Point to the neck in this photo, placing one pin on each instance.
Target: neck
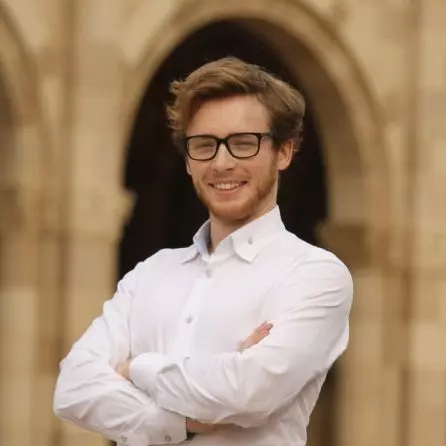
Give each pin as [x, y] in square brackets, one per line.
[220, 228]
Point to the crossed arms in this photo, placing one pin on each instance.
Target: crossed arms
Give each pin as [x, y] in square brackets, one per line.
[309, 312]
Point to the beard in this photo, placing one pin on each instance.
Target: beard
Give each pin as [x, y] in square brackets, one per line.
[248, 209]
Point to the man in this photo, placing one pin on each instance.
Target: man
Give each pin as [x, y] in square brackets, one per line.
[164, 361]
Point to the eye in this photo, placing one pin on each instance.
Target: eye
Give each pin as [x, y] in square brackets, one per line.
[243, 141]
[201, 143]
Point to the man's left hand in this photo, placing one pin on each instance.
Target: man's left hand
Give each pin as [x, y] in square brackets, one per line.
[123, 369]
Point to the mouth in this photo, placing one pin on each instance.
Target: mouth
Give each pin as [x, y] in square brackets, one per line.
[228, 186]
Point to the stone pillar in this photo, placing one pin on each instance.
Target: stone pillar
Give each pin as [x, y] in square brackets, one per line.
[19, 225]
[367, 393]
[90, 276]
[95, 205]
[426, 367]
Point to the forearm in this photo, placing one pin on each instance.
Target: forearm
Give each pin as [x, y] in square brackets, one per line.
[92, 396]
[244, 388]
[198, 388]
[232, 388]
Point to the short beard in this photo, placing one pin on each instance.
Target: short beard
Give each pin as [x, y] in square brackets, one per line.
[251, 209]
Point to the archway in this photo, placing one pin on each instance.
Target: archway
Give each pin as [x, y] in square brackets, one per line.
[354, 153]
[156, 176]
[153, 161]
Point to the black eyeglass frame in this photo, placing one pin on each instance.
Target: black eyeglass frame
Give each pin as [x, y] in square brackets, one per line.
[220, 141]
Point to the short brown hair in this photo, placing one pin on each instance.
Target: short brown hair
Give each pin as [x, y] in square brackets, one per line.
[231, 77]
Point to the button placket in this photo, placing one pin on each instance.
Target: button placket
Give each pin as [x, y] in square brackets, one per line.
[189, 314]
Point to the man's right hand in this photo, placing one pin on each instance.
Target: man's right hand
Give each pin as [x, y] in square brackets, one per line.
[259, 333]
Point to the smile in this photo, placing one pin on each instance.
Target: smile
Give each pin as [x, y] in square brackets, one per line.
[228, 186]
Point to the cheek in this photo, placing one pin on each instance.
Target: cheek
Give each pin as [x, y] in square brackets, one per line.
[197, 174]
[264, 165]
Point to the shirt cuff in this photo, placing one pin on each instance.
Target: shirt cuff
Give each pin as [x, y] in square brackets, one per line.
[170, 430]
[175, 431]
[143, 370]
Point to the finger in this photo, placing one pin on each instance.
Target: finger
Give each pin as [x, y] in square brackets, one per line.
[259, 336]
[265, 330]
[261, 329]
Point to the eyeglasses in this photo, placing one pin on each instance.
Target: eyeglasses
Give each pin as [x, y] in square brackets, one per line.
[239, 145]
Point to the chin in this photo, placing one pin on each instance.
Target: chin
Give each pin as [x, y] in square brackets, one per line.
[232, 212]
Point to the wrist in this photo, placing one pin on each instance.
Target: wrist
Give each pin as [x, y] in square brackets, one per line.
[190, 436]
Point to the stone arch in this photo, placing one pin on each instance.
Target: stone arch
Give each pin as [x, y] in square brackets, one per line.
[19, 80]
[356, 157]
[354, 148]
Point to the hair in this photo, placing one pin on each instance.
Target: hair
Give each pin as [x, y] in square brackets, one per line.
[229, 77]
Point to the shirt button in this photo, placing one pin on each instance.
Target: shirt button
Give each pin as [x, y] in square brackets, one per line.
[123, 439]
[168, 438]
[189, 319]
[208, 273]
[250, 240]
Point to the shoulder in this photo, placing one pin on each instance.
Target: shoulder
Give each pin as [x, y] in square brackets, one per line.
[312, 263]
[167, 256]
[157, 263]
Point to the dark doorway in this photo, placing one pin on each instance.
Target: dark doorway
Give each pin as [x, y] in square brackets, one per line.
[167, 212]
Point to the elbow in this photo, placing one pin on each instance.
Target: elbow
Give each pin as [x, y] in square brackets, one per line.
[248, 410]
[69, 407]
[67, 397]
[243, 414]
[258, 400]
[59, 409]
[60, 396]
[62, 407]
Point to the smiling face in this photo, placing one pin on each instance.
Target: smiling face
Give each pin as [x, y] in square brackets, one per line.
[236, 191]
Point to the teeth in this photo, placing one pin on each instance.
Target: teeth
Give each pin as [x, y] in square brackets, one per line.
[226, 186]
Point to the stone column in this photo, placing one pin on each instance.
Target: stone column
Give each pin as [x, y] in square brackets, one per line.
[19, 226]
[367, 394]
[90, 276]
[95, 205]
[426, 361]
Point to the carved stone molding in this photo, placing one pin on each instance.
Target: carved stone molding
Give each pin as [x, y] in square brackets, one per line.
[87, 213]
[19, 208]
[99, 213]
[347, 241]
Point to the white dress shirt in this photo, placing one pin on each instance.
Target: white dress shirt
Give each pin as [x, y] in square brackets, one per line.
[181, 315]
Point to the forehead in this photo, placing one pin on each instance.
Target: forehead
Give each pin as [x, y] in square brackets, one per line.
[223, 116]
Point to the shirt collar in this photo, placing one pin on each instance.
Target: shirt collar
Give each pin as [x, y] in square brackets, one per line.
[200, 243]
[247, 241]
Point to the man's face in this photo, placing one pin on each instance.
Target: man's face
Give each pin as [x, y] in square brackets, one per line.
[236, 191]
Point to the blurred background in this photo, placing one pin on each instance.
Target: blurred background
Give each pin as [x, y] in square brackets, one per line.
[90, 184]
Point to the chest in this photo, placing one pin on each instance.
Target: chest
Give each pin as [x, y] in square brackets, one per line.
[199, 308]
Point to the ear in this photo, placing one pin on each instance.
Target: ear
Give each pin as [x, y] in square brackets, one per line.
[285, 155]
[187, 166]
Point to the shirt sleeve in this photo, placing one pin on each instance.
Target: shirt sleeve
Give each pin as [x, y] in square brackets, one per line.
[90, 394]
[309, 310]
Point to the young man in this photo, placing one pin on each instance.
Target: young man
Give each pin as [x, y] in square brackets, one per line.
[164, 361]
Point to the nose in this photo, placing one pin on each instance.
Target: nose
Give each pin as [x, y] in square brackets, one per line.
[223, 159]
